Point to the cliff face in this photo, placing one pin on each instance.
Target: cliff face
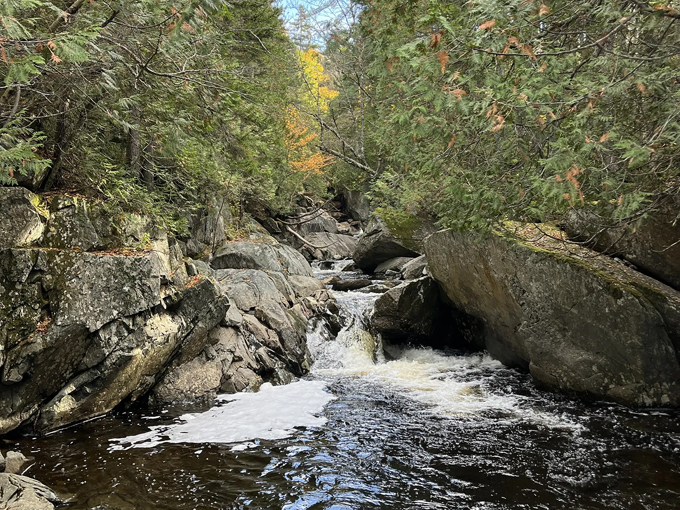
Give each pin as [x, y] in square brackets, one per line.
[97, 311]
[574, 323]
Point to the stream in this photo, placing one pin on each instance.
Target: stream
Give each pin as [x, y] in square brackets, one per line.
[413, 429]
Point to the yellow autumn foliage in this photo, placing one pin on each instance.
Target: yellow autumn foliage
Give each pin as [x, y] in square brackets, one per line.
[301, 133]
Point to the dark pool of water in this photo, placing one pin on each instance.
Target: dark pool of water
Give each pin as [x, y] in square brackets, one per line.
[382, 449]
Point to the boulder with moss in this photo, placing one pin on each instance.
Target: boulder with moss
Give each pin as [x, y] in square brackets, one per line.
[380, 243]
[24, 223]
[82, 332]
[653, 246]
[576, 322]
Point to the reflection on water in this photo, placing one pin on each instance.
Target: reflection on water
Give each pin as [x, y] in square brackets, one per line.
[424, 430]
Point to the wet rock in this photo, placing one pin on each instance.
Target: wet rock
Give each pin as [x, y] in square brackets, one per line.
[654, 246]
[377, 245]
[26, 226]
[263, 334]
[412, 311]
[16, 463]
[380, 288]
[268, 257]
[23, 493]
[199, 378]
[349, 284]
[415, 268]
[256, 292]
[99, 330]
[574, 326]
[395, 264]
[130, 370]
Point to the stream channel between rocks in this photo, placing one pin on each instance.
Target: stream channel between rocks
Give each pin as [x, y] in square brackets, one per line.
[415, 429]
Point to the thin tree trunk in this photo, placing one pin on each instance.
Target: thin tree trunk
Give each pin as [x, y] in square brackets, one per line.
[60, 142]
[134, 145]
[147, 167]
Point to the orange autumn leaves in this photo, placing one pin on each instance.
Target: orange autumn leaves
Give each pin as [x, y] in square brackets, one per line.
[303, 155]
[571, 177]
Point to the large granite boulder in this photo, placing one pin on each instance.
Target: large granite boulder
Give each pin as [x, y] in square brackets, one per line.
[82, 332]
[575, 325]
[654, 246]
[413, 312]
[319, 221]
[356, 205]
[261, 338]
[264, 256]
[414, 268]
[327, 246]
[396, 264]
[24, 222]
[379, 244]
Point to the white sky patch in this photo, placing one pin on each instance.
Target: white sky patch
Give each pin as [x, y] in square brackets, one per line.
[272, 413]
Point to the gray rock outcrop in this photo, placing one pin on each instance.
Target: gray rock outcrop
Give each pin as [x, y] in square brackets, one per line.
[575, 326]
[327, 246]
[412, 312]
[70, 226]
[396, 264]
[262, 337]
[379, 244]
[654, 246]
[356, 205]
[319, 221]
[264, 256]
[82, 332]
[24, 223]
[414, 268]
[23, 493]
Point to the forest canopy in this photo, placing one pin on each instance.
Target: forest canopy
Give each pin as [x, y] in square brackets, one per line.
[480, 111]
[473, 111]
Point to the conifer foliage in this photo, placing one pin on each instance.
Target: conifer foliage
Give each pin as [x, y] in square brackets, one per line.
[151, 105]
[486, 110]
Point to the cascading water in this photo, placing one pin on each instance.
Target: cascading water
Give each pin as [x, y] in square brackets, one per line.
[415, 429]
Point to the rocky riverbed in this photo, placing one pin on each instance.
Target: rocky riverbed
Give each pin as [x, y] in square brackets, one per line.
[102, 315]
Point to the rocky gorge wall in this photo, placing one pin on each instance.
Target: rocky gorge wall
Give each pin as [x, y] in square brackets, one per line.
[577, 320]
[97, 311]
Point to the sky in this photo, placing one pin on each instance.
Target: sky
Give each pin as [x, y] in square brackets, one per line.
[321, 12]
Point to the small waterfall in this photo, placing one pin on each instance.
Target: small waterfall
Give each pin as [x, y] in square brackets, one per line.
[354, 347]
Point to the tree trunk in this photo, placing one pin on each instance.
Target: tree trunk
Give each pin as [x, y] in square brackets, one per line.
[60, 141]
[148, 166]
[134, 145]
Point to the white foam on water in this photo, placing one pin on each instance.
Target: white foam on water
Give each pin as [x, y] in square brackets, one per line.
[272, 413]
[450, 385]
